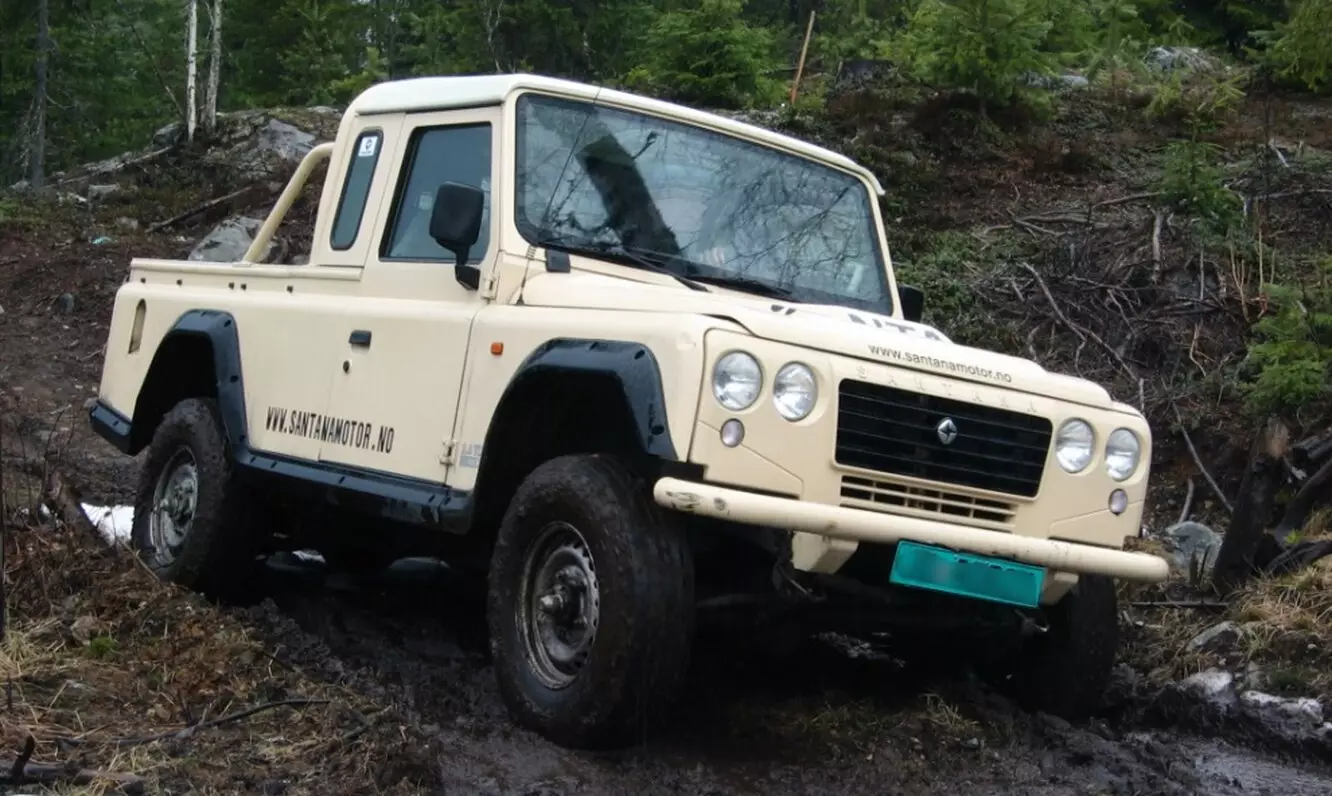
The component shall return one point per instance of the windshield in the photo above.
(701, 204)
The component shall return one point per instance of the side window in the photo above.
(351, 205)
(437, 155)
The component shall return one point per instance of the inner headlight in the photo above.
(794, 391)
(1122, 450)
(1073, 445)
(737, 380)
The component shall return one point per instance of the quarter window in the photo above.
(351, 205)
(436, 155)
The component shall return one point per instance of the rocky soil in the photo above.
(385, 687)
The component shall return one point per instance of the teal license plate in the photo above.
(979, 577)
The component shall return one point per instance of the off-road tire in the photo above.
(1066, 670)
(218, 555)
(645, 579)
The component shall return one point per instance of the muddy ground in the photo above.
(99, 653)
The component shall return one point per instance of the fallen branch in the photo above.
(1298, 557)
(1188, 604)
(1312, 492)
(160, 225)
(186, 732)
(114, 168)
(53, 774)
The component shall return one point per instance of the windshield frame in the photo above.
(887, 304)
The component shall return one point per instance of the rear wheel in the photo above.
(590, 605)
(192, 523)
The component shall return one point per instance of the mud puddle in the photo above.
(817, 722)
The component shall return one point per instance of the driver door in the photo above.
(407, 338)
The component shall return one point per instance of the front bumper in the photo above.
(838, 522)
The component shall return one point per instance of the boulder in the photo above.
(228, 241)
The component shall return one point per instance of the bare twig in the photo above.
(1198, 461)
(1080, 332)
(230, 718)
(1188, 502)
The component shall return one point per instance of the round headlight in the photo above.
(1122, 450)
(736, 381)
(1073, 445)
(794, 391)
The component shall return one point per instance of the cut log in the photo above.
(1236, 561)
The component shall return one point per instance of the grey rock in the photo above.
(102, 191)
(228, 241)
(1181, 59)
(1221, 637)
(1192, 542)
(66, 303)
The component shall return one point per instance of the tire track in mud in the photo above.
(817, 722)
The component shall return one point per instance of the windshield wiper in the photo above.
(746, 284)
(608, 249)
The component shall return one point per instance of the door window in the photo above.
(436, 155)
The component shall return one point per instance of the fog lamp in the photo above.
(1118, 501)
(732, 433)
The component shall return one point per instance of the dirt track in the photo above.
(822, 722)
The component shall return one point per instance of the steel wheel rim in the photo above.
(559, 604)
(175, 501)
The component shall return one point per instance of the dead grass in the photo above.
(110, 668)
(1284, 629)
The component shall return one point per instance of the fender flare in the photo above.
(219, 329)
(630, 365)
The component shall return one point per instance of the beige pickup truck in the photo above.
(629, 361)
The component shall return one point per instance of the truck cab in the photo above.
(629, 360)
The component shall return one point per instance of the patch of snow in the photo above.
(113, 522)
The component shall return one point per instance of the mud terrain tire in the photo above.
(604, 531)
(1065, 670)
(217, 555)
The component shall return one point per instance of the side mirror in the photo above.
(455, 224)
(912, 300)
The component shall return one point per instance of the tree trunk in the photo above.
(37, 147)
(191, 67)
(1235, 561)
(214, 64)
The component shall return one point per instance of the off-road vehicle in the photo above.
(629, 361)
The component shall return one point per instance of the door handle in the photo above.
(360, 338)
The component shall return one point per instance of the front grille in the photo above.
(896, 497)
(888, 430)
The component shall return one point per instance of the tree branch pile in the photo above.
(1119, 293)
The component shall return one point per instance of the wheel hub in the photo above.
(560, 605)
(175, 500)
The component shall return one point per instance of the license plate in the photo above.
(967, 575)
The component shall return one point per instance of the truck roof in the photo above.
(461, 91)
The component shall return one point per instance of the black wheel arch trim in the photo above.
(408, 501)
(630, 364)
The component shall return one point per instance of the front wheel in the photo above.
(591, 606)
(1065, 670)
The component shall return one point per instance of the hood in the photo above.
(830, 328)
